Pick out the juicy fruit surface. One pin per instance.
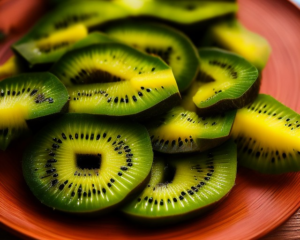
(9, 68)
(54, 34)
(223, 76)
(233, 36)
(194, 182)
(170, 44)
(52, 47)
(267, 136)
(32, 95)
(83, 164)
(184, 131)
(25, 97)
(114, 79)
(88, 13)
(181, 12)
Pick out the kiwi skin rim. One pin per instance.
(228, 104)
(170, 220)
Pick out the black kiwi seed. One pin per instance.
(54, 182)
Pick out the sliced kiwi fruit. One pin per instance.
(51, 48)
(55, 33)
(83, 164)
(232, 35)
(180, 131)
(116, 80)
(180, 12)
(267, 136)
(171, 45)
(183, 187)
(225, 81)
(28, 96)
(11, 67)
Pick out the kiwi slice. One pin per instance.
(180, 131)
(11, 67)
(267, 136)
(182, 187)
(51, 48)
(174, 47)
(180, 12)
(28, 96)
(55, 33)
(155, 39)
(116, 80)
(226, 81)
(232, 35)
(84, 164)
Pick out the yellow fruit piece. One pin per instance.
(9, 68)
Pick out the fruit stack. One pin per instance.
(146, 107)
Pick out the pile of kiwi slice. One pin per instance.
(142, 111)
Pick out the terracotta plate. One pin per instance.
(257, 203)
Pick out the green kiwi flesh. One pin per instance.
(116, 80)
(180, 12)
(225, 81)
(83, 164)
(232, 35)
(267, 134)
(93, 38)
(171, 45)
(183, 187)
(180, 131)
(55, 33)
(28, 96)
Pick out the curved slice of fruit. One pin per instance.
(174, 47)
(49, 49)
(116, 80)
(233, 36)
(182, 12)
(181, 130)
(11, 67)
(55, 33)
(267, 134)
(84, 164)
(25, 97)
(226, 81)
(183, 187)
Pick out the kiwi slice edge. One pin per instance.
(177, 195)
(84, 164)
